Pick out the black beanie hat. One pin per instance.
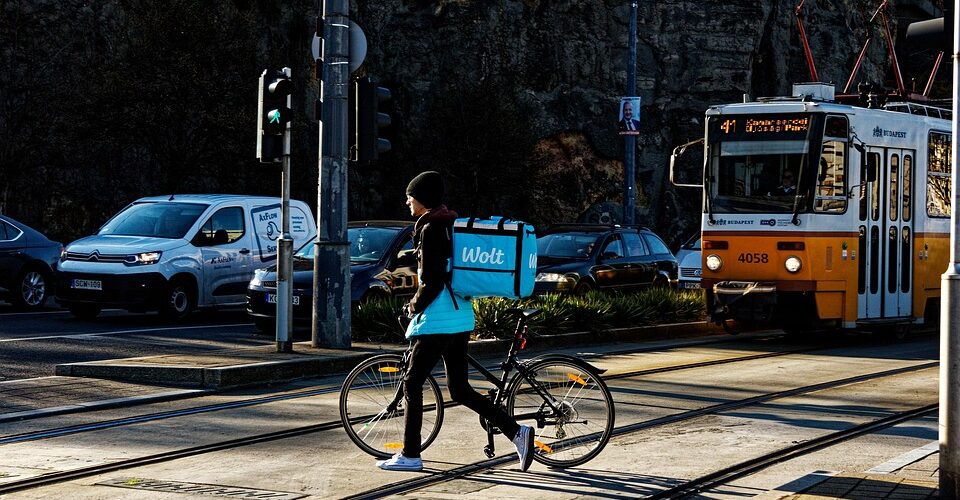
(427, 188)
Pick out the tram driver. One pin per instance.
(786, 187)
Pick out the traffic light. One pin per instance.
(273, 114)
(934, 34)
(368, 120)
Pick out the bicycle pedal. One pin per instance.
(488, 452)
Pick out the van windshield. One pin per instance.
(160, 220)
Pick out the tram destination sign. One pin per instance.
(759, 127)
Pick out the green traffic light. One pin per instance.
(273, 116)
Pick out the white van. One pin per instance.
(176, 253)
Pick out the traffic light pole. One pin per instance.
(630, 141)
(285, 254)
(949, 422)
(331, 265)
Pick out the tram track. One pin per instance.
(445, 476)
(299, 394)
(419, 483)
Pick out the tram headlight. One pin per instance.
(713, 262)
(792, 264)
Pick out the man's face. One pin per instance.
(788, 179)
(416, 208)
(627, 111)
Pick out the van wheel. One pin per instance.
(32, 289)
(179, 301)
(85, 311)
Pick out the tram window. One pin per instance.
(907, 187)
(894, 175)
(836, 126)
(905, 259)
(832, 178)
(875, 200)
(938, 174)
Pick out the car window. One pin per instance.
(162, 220)
(635, 247)
(224, 226)
(657, 246)
(566, 245)
(8, 232)
(369, 244)
(613, 246)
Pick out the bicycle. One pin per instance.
(563, 397)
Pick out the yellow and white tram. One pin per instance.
(858, 236)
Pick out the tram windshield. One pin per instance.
(757, 163)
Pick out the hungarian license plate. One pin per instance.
(692, 285)
(86, 284)
(272, 299)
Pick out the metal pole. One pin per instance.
(950, 316)
(630, 141)
(285, 250)
(331, 264)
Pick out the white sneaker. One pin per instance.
(402, 463)
(524, 443)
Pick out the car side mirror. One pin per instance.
(405, 258)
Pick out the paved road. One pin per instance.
(326, 465)
(31, 344)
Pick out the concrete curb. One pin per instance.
(249, 372)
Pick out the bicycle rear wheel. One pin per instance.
(580, 421)
(372, 413)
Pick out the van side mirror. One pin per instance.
(199, 240)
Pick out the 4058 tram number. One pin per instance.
(753, 258)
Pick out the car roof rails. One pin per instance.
(590, 227)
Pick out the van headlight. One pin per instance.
(792, 264)
(144, 258)
(714, 262)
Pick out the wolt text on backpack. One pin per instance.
(494, 257)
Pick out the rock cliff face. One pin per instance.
(564, 61)
(515, 100)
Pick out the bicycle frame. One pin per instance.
(499, 392)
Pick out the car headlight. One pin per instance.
(144, 258)
(257, 280)
(551, 277)
(792, 264)
(714, 262)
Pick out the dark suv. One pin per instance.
(382, 264)
(582, 257)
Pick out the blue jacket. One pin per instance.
(436, 309)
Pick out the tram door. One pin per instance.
(886, 237)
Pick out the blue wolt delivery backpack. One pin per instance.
(495, 257)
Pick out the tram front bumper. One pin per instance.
(747, 301)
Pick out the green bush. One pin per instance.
(593, 312)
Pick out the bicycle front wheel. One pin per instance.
(570, 409)
(371, 406)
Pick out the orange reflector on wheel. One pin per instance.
(393, 446)
(389, 369)
(576, 378)
(542, 446)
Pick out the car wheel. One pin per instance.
(33, 287)
(179, 300)
(85, 311)
(661, 283)
(265, 325)
(583, 288)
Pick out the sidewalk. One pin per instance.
(130, 381)
(912, 476)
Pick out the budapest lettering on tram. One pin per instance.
(822, 214)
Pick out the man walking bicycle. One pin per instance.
(440, 326)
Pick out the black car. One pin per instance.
(582, 257)
(27, 263)
(382, 264)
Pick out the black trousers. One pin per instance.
(427, 350)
